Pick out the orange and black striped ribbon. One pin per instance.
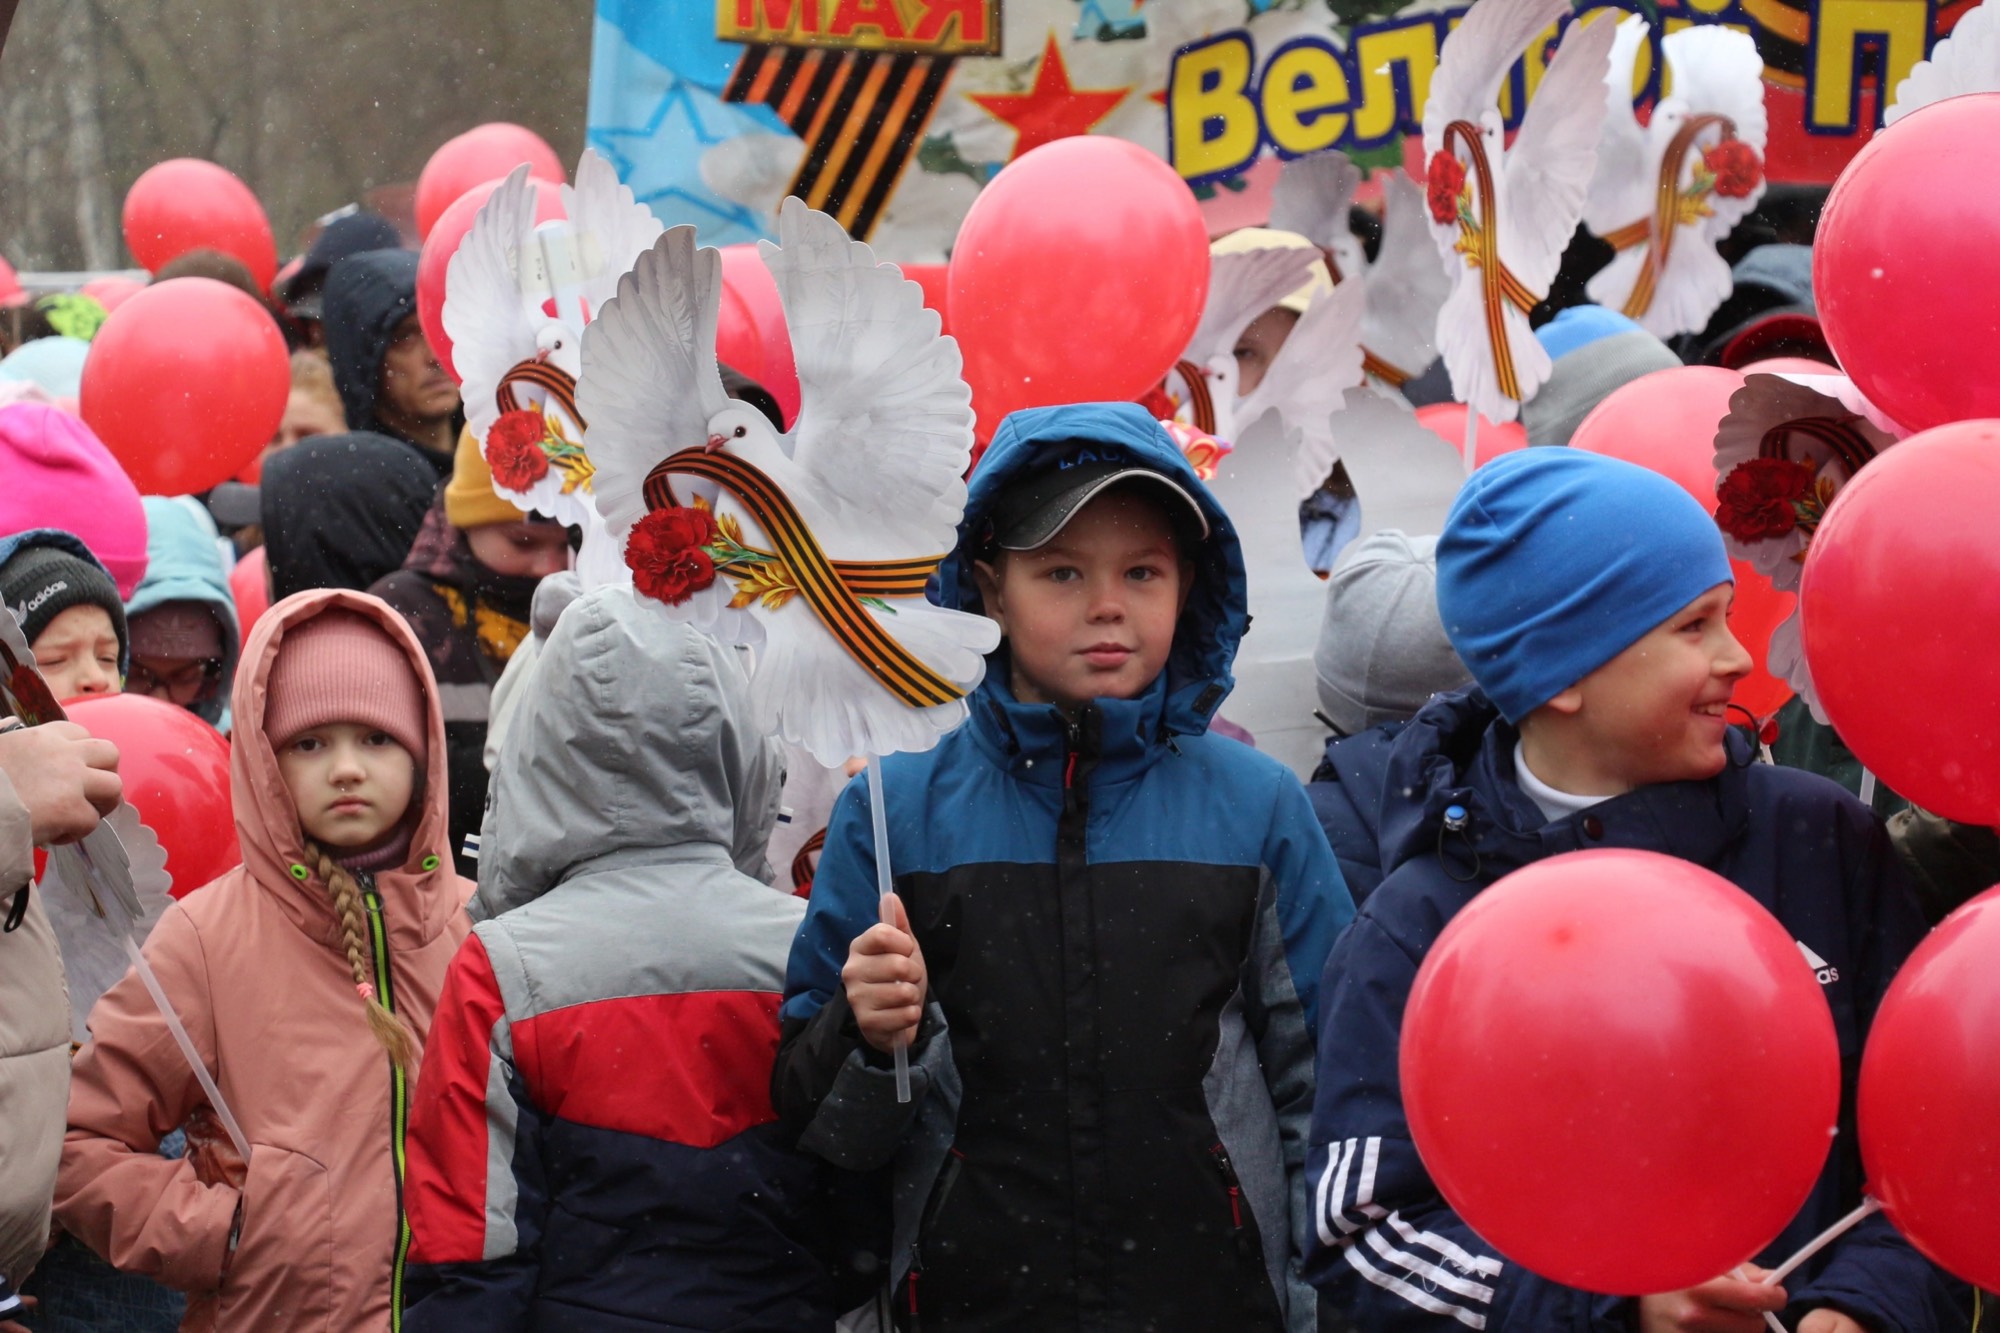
(802, 864)
(861, 114)
(1200, 402)
(1841, 435)
(557, 383)
(1664, 225)
(1387, 371)
(833, 599)
(1499, 286)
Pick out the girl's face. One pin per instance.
(77, 653)
(351, 783)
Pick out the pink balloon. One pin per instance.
(434, 261)
(739, 343)
(1447, 422)
(480, 154)
(10, 285)
(187, 204)
(743, 271)
(1788, 365)
(250, 585)
(112, 292)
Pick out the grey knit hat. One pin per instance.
(1382, 648)
(1596, 352)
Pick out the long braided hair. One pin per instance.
(389, 1028)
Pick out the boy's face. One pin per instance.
(1091, 614)
(1657, 712)
(77, 653)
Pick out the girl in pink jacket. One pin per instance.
(306, 978)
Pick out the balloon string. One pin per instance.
(1471, 439)
(885, 887)
(1770, 1320)
(1869, 1207)
(186, 1043)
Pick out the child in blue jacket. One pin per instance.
(1109, 926)
(1590, 600)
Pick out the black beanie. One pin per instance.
(42, 582)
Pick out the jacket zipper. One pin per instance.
(946, 1179)
(399, 1097)
(1234, 1186)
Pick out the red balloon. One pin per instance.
(434, 260)
(1078, 275)
(743, 272)
(480, 154)
(1447, 422)
(739, 343)
(935, 279)
(187, 204)
(1901, 590)
(112, 292)
(10, 284)
(185, 383)
(1906, 262)
(1929, 1138)
(1620, 1072)
(1666, 421)
(250, 586)
(176, 773)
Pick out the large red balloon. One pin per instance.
(739, 343)
(187, 204)
(1078, 275)
(1907, 260)
(743, 273)
(480, 154)
(1447, 422)
(935, 279)
(185, 382)
(1902, 611)
(1620, 1072)
(250, 587)
(434, 260)
(1929, 1084)
(176, 773)
(1666, 421)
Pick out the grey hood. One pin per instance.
(635, 734)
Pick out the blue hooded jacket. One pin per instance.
(184, 564)
(1122, 917)
(1392, 1255)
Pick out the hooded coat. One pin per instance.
(184, 564)
(367, 295)
(340, 511)
(1123, 917)
(1393, 1255)
(309, 1235)
(594, 1144)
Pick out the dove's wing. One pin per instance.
(1968, 61)
(1406, 284)
(1548, 169)
(615, 228)
(491, 325)
(1319, 361)
(1622, 189)
(885, 417)
(649, 382)
(1312, 197)
(1476, 57)
(1242, 286)
(1717, 71)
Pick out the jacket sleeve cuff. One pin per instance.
(860, 1124)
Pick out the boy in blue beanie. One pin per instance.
(1590, 600)
(1109, 926)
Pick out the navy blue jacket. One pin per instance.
(1347, 796)
(1391, 1255)
(1123, 918)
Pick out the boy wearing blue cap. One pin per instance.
(1590, 600)
(1110, 923)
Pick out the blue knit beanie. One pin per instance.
(1555, 561)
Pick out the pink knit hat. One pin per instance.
(340, 666)
(59, 475)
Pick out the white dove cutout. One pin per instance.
(1405, 285)
(1665, 195)
(1968, 61)
(1241, 286)
(1501, 216)
(821, 540)
(517, 298)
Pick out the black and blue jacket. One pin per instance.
(1389, 1253)
(1348, 795)
(1123, 918)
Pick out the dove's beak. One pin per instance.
(715, 443)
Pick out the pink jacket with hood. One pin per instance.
(254, 966)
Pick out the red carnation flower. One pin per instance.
(1736, 167)
(1446, 179)
(514, 449)
(1759, 498)
(666, 557)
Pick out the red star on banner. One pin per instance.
(1053, 109)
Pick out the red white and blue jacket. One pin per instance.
(593, 1144)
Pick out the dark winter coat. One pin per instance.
(1122, 917)
(1392, 1255)
(340, 511)
(1347, 797)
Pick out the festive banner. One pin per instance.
(892, 114)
